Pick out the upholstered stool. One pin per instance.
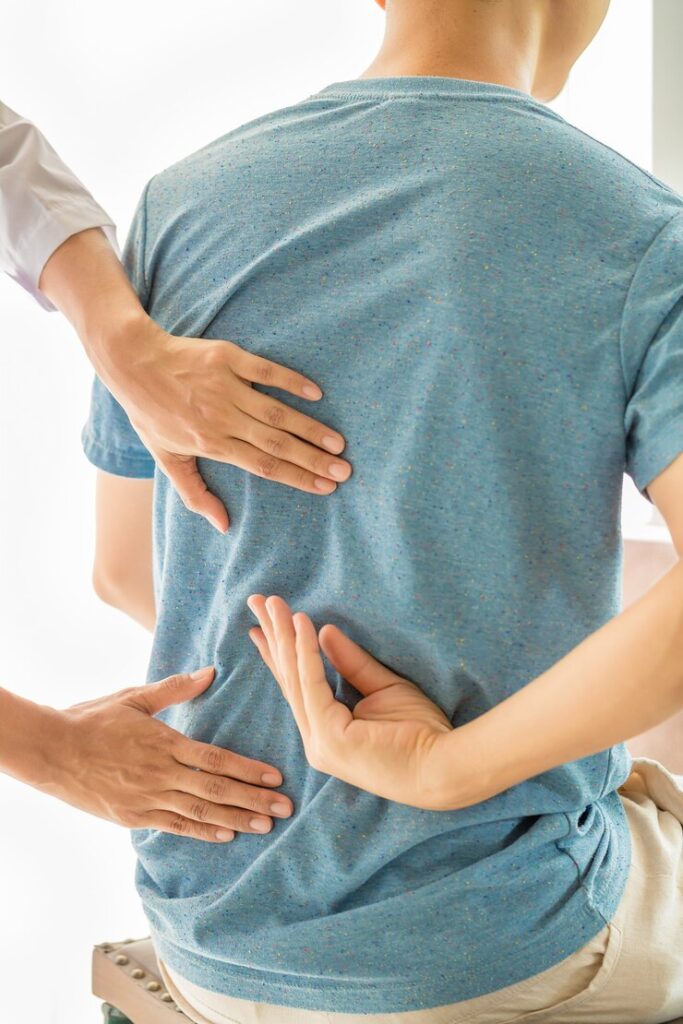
(126, 976)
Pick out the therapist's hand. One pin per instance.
(394, 741)
(188, 397)
(111, 758)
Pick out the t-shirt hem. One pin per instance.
(660, 452)
(402, 996)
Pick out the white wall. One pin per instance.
(123, 90)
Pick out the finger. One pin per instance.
(328, 716)
(274, 413)
(354, 663)
(195, 809)
(257, 635)
(220, 762)
(231, 793)
(283, 446)
(177, 825)
(173, 690)
(257, 604)
(260, 463)
(285, 638)
(183, 473)
(259, 370)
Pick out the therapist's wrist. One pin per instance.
(31, 741)
(119, 343)
(84, 279)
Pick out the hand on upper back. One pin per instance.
(111, 758)
(190, 397)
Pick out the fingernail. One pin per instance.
(271, 779)
(260, 825)
(218, 526)
(324, 485)
(312, 391)
(225, 835)
(282, 810)
(333, 443)
(200, 673)
(339, 470)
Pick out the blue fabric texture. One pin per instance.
(492, 303)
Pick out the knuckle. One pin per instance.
(215, 760)
(199, 810)
(254, 802)
(275, 415)
(216, 790)
(216, 357)
(175, 683)
(266, 467)
(264, 373)
(302, 479)
(181, 826)
(275, 445)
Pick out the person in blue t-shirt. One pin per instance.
(492, 302)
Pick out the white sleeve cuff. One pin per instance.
(52, 228)
(42, 203)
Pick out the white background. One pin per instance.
(122, 90)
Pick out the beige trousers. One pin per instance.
(631, 972)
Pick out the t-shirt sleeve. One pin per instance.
(108, 438)
(652, 358)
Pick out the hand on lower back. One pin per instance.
(390, 744)
(112, 758)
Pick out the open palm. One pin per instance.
(389, 744)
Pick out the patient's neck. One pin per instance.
(486, 42)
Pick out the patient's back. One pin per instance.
(489, 300)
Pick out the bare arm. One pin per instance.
(112, 758)
(188, 396)
(122, 574)
(621, 680)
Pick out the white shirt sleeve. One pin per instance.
(42, 203)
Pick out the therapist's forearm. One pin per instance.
(620, 681)
(85, 280)
(27, 735)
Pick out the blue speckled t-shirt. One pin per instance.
(491, 301)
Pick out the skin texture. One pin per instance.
(612, 686)
(621, 680)
(525, 44)
(112, 758)
(188, 397)
(129, 574)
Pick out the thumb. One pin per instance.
(183, 473)
(172, 690)
(354, 663)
